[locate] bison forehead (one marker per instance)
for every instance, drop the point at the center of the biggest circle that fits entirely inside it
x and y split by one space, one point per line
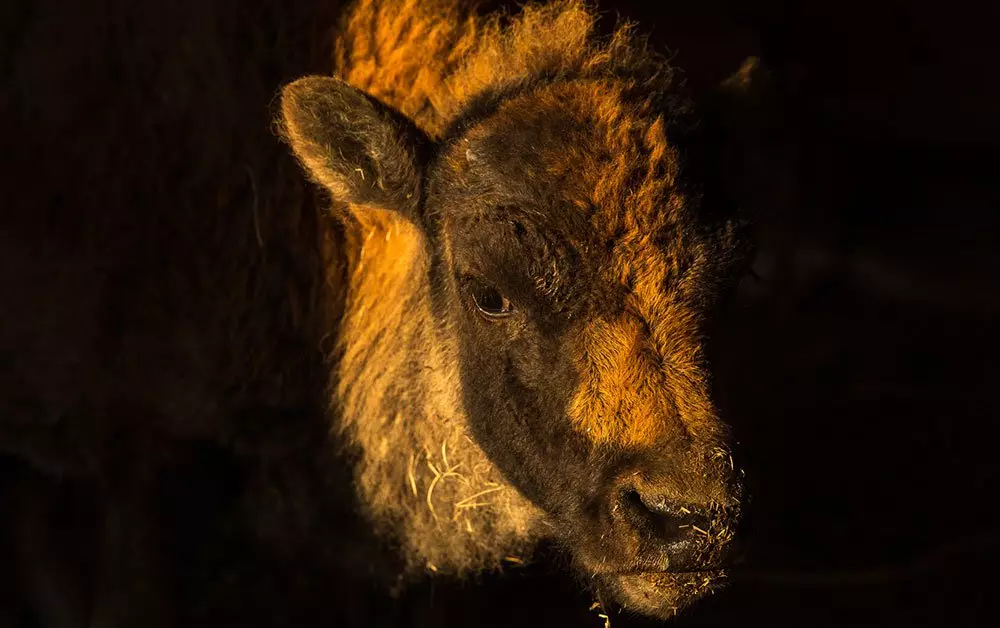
586 142
590 165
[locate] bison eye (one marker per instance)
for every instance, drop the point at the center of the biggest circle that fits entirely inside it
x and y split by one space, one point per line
490 302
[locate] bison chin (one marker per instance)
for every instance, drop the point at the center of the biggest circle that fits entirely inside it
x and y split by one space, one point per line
659 595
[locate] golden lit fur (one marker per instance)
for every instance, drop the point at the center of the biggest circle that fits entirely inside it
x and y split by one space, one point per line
396 385
397 389
428 58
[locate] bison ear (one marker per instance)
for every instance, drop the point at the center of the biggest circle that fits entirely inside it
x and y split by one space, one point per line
737 107
359 149
744 131
747 84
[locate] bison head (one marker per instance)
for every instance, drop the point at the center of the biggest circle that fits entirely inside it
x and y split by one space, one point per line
522 354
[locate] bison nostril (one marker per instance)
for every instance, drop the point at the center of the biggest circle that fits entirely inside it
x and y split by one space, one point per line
661 519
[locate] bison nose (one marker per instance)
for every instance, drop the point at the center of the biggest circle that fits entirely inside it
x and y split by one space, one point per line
681 531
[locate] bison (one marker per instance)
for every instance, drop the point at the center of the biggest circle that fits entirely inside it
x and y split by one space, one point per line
531 259
499 319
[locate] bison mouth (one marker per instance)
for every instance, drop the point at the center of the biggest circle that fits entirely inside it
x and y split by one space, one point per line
660 584
659 595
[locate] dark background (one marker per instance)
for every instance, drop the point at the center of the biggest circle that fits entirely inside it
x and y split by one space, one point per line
859 367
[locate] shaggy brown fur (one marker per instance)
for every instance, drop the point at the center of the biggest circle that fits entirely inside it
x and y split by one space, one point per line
642 384
428 60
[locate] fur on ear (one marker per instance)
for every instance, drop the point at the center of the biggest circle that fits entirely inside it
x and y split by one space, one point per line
359 149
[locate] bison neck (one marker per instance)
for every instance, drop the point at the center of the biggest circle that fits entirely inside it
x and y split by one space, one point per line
421 476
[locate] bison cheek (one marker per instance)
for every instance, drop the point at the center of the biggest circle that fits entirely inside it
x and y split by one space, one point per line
518 419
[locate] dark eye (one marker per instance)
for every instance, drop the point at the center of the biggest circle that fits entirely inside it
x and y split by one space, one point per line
490 302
